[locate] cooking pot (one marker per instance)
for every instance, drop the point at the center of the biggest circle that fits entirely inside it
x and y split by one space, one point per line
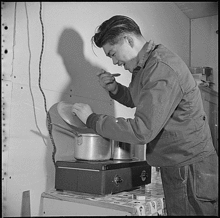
93 147
90 146
122 151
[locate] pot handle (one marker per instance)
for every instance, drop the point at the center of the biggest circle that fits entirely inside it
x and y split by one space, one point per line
79 140
75 133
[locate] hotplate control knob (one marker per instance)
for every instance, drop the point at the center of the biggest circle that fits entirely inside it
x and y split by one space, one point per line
144 175
118 180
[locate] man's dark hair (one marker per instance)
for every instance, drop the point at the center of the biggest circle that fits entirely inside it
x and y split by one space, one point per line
111 30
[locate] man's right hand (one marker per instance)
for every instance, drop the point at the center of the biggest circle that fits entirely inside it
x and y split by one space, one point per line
107 81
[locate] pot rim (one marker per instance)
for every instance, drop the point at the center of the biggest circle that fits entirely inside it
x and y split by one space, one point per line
89 134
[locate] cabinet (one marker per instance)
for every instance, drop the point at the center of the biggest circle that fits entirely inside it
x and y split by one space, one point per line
210 103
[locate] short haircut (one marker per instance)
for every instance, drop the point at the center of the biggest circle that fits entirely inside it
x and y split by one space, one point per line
111 30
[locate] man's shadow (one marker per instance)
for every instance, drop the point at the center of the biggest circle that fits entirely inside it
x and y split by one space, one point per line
83 80
83 87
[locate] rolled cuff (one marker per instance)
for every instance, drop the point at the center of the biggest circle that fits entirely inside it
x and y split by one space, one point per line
91 121
119 93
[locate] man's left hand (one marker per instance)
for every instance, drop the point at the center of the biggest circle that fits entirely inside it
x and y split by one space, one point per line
82 111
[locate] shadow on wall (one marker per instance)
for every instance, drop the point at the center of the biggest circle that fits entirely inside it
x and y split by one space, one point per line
84 81
83 87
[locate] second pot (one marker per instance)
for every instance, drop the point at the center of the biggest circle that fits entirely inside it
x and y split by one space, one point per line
121 150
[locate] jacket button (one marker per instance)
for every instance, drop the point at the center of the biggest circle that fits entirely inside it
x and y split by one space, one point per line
203 117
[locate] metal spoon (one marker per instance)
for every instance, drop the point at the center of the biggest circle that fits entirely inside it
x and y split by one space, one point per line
116 74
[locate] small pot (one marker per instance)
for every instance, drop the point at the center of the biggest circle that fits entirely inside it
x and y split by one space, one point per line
90 146
121 150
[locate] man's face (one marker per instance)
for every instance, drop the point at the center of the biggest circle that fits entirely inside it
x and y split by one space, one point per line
122 54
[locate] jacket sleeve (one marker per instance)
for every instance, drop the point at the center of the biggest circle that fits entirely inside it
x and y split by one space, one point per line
158 98
123 96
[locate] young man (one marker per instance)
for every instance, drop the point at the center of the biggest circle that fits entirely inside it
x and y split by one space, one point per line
169 116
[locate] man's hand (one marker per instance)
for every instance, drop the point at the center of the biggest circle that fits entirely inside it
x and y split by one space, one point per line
107 81
82 111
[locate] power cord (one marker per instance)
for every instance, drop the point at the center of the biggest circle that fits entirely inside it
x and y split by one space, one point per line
49 125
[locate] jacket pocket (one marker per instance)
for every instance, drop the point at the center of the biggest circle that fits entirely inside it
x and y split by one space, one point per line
183 172
199 124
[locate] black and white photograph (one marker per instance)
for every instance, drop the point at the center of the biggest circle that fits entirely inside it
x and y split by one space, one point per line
109 108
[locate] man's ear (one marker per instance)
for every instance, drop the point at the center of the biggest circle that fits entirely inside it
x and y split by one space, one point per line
130 40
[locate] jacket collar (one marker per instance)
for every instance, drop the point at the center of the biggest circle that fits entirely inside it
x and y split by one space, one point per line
144 54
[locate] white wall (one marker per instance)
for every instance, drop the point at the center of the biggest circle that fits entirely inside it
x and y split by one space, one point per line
204 45
68 71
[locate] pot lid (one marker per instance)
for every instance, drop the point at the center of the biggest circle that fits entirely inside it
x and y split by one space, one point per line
65 111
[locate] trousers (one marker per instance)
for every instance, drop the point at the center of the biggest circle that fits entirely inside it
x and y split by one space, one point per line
192 190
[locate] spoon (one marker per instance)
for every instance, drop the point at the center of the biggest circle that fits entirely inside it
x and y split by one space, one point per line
116 74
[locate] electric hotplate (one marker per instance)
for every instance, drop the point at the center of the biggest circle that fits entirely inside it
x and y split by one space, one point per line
101 177
102 165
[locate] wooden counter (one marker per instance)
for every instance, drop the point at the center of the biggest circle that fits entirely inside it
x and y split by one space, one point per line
66 203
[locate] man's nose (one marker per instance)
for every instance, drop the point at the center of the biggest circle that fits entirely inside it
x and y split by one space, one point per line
115 61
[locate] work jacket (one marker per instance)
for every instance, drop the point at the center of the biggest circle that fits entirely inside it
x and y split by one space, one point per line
169 114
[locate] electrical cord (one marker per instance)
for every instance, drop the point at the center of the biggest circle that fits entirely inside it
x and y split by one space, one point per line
29 72
49 125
